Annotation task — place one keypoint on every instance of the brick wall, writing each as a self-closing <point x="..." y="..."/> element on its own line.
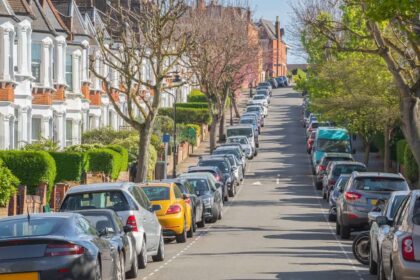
<point x="7" y="92"/>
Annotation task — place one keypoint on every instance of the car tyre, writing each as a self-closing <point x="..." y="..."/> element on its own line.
<point x="226" y="198"/>
<point x="373" y="266"/>
<point x="160" y="256"/>
<point x="324" y="195"/>
<point x="120" y="267"/>
<point x="337" y="227"/>
<point x="202" y="223"/>
<point x="190" y="233"/>
<point x="331" y="217"/>
<point x="142" y="258"/>
<point x="194" y="224"/>
<point x="344" y="232"/>
<point x="134" y="271"/>
<point x="182" y="238"/>
<point x="219" y="217"/>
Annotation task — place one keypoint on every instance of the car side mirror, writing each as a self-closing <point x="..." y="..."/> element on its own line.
<point x="155" y="207"/>
<point x="381" y="220"/>
<point x="185" y="196"/>
<point x="373" y="215"/>
<point x="128" y="228"/>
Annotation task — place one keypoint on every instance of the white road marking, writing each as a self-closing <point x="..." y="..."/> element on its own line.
<point x="258" y="183"/>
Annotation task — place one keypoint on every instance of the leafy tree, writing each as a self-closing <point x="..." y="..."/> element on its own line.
<point x="8" y="184"/>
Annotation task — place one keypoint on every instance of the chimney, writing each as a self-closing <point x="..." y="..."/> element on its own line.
<point x="201" y="4"/>
<point x="278" y="33"/>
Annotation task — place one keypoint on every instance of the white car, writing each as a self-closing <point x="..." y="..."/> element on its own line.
<point x="246" y="146"/>
<point x="252" y="104"/>
<point x="260" y="98"/>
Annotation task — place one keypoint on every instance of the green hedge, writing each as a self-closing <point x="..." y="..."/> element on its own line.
<point x="105" y="160"/>
<point x="197" y="105"/>
<point x="8" y="184"/>
<point x="31" y="168"/>
<point x="188" y="115"/>
<point x="70" y="165"/>
<point x="401" y="144"/>
<point x="124" y="155"/>
<point x="410" y="165"/>
<point x="196" y="96"/>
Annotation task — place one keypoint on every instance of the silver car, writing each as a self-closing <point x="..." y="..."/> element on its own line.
<point x="131" y="205"/>
<point x="361" y="194"/>
<point x="246" y="146"/>
<point x="399" y="255"/>
<point x="377" y="232"/>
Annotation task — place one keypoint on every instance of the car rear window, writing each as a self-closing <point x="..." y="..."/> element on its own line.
<point x="220" y="164"/>
<point x="380" y="184"/>
<point x="246" y="121"/>
<point x="30" y="227"/>
<point x="240" y="132"/>
<point x="156" y="193"/>
<point x="200" y="185"/>
<point x="347" y="169"/>
<point x="114" y="200"/>
<point x="100" y="222"/>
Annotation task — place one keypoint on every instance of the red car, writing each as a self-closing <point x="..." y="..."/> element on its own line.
<point x="310" y="141"/>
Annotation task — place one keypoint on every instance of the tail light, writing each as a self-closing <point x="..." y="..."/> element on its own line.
<point x="322" y="167"/>
<point x="408" y="248"/>
<point x="63" y="249"/>
<point x="218" y="178"/>
<point x="352" y="196"/>
<point x="173" y="209"/>
<point x="131" y="221"/>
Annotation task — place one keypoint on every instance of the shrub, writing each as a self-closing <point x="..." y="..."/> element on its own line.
<point x="188" y="115"/>
<point x="196" y="127"/>
<point x="151" y="163"/>
<point x="197" y="105"/>
<point x="157" y="143"/>
<point x="410" y="165"/>
<point x="401" y="144"/>
<point x="70" y="165"/>
<point x="83" y="147"/>
<point x="124" y="155"/>
<point x="42" y="145"/>
<point x="131" y="144"/>
<point x="31" y="168"/>
<point x="163" y="124"/>
<point x="105" y="160"/>
<point x="8" y="184"/>
<point x="196" y="96"/>
<point x="105" y="135"/>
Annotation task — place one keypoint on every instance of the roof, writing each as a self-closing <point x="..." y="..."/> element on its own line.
<point x="5" y="8"/>
<point x="41" y="22"/>
<point x="100" y="187"/>
<point x="379" y="174"/>
<point x="338" y="155"/>
<point x="348" y="163"/>
<point x="157" y="184"/>
<point x="203" y="168"/>
<point x="71" y="15"/>
<point x="269" y="28"/>
<point x="20" y="7"/>
<point x="241" y="126"/>
<point x="65" y="215"/>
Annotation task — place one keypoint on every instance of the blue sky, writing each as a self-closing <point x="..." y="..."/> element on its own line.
<point x="269" y="9"/>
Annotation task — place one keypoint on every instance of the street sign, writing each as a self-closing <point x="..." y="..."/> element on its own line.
<point x="166" y="138"/>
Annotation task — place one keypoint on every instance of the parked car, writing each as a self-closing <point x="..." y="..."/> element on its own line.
<point x="214" y="170"/>
<point x="192" y="199"/>
<point x="361" y="193"/>
<point x="131" y="205"/>
<point x="260" y="99"/>
<point x="252" y="121"/>
<point x="335" y="169"/>
<point x="273" y="83"/>
<point x="265" y="84"/>
<point x="228" y="178"/>
<point x="335" y="193"/>
<point x="232" y="149"/>
<point x="208" y="190"/>
<point x="243" y="141"/>
<point x="321" y="168"/>
<point x="312" y="117"/>
<point x="257" y="107"/>
<point x="377" y="233"/>
<point x="258" y="114"/>
<point x="244" y="130"/>
<point x="54" y="246"/>
<point x="265" y="93"/>
<point x="175" y="214"/>
<point x="314" y="125"/>
<point x="237" y="168"/>
<point x="110" y="226"/>
<point x="310" y="142"/>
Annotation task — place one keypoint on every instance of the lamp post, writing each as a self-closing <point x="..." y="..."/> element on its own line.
<point x="177" y="79"/>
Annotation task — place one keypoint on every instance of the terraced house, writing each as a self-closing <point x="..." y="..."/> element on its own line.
<point x="46" y="88"/>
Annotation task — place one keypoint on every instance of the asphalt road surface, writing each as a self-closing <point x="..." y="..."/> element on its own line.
<point x="276" y="227"/>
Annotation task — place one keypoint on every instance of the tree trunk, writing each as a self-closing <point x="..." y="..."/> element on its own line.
<point x="221" y="128"/>
<point x="143" y="156"/>
<point x="213" y="132"/>
<point x="366" y="153"/>
<point x="233" y="100"/>
<point x="387" y="159"/>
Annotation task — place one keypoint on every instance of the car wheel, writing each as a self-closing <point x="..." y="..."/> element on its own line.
<point x="190" y="233"/>
<point x="337" y="226"/>
<point x="202" y="223"/>
<point x="324" y="194"/>
<point x="160" y="256"/>
<point x="344" y="232"/>
<point x="226" y="198"/>
<point x="133" y="272"/>
<point x="142" y="261"/>
<point x="373" y="266"/>
<point x="194" y="225"/>
<point x="182" y="238"/>
<point x="219" y="217"/>
<point x="120" y="267"/>
<point x="331" y="217"/>
<point x="98" y="270"/>
<point x="232" y="190"/>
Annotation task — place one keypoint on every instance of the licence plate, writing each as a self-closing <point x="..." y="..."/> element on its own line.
<point x="20" y="276"/>
<point x="373" y="202"/>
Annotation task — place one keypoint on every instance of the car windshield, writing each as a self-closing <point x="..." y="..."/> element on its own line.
<point x="220" y="164"/>
<point x="380" y="184"/>
<point x="347" y="169"/>
<point x="114" y="200"/>
<point x="396" y="204"/>
<point x="227" y="151"/>
<point x="100" y="222"/>
<point x="200" y="185"/>
<point x="259" y="92"/>
<point x="247" y="121"/>
<point x="30" y="227"/>
<point x="314" y="125"/>
<point x="259" y="97"/>
<point x="156" y="193"/>
<point x="326" y="160"/>
<point x="241" y="140"/>
<point x="253" y="108"/>
<point x="333" y="146"/>
<point x="240" y="131"/>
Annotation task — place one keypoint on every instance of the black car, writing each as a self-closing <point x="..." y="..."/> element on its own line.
<point x="110" y="226"/>
<point x="55" y="246"/>
<point x="215" y="171"/>
<point x="196" y="204"/>
<point x="223" y="164"/>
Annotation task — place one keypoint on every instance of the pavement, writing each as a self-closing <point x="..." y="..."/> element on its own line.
<point x="276" y="227"/>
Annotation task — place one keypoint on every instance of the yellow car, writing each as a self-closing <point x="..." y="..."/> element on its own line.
<point x="175" y="214"/>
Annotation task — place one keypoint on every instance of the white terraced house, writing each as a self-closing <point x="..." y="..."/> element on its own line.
<point x="46" y="88"/>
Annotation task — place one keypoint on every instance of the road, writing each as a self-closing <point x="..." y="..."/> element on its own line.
<point x="276" y="227"/>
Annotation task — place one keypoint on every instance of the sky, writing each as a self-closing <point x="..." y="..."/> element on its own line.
<point x="269" y="9"/>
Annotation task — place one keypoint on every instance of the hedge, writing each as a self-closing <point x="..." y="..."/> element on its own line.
<point x="196" y="96"/>
<point x="401" y="144"/>
<point x="70" y="165"/>
<point x="124" y="155"/>
<point x="188" y="115"/>
<point x="31" y="168"/>
<point x="196" y="127"/>
<point x="105" y="160"/>
<point x="410" y="165"/>
<point x="8" y="184"/>
<point x="197" y="105"/>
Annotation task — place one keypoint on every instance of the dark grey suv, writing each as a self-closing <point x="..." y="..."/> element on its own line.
<point x="361" y="194"/>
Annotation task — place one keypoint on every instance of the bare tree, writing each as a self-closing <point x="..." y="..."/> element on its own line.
<point x="146" y="44"/>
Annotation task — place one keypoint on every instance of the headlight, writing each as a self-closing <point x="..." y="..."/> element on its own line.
<point x="208" y="200"/>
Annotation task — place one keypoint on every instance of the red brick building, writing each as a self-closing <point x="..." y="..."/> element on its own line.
<point x="274" y="48"/>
